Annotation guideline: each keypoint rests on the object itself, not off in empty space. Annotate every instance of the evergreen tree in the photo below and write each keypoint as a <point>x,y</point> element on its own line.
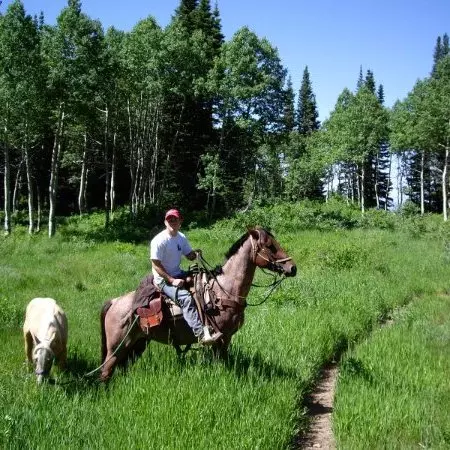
<point>441,50</point>
<point>370,81</point>
<point>217,28</point>
<point>360,82</point>
<point>185,14</point>
<point>289,113</point>
<point>307,115</point>
<point>380,94</point>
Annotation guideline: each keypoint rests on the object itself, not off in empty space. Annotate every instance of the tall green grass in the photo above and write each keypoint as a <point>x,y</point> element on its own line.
<point>348,280</point>
<point>393,389</point>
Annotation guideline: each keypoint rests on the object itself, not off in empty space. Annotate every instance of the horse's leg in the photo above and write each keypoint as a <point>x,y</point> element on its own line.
<point>129,352</point>
<point>62,360</point>
<point>138,348</point>
<point>109,366</point>
<point>28,346</point>
<point>220,348</point>
<point>114,357</point>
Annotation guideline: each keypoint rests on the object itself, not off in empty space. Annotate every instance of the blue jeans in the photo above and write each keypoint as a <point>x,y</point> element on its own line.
<point>184,300</point>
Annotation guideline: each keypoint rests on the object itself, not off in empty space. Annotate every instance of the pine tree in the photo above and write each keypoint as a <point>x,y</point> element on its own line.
<point>441,50</point>
<point>302,181</point>
<point>370,81</point>
<point>380,94</point>
<point>200,31</point>
<point>186,13</point>
<point>360,82</point>
<point>289,112</point>
<point>307,115</point>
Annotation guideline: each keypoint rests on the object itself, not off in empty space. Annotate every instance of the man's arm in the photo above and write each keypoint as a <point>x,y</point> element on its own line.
<point>157,265</point>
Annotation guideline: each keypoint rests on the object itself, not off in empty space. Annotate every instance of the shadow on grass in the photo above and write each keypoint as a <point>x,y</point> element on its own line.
<point>243,365</point>
<point>75,378</point>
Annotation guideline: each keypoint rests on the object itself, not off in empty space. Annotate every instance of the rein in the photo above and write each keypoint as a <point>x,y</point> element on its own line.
<point>273,265</point>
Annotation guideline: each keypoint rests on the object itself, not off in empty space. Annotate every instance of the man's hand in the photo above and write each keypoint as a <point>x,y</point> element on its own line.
<point>177,282</point>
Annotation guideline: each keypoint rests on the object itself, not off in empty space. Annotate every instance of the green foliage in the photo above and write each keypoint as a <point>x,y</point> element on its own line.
<point>342,257</point>
<point>11,314</point>
<point>409,209</point>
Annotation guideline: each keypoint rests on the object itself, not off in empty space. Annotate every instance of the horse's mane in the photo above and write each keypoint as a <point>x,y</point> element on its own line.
<point>240,242</point>
<point>237,245</point>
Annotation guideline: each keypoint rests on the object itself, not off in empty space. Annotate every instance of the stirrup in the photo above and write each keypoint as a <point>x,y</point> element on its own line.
<point>207,339</point>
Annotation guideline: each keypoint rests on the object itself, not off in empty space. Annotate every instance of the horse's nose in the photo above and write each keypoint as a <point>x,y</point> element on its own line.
<point>293,271</point>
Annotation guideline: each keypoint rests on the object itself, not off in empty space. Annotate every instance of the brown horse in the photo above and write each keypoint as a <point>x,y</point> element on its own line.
<point>121,334</point>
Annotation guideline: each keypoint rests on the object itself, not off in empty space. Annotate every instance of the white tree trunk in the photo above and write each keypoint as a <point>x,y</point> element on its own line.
<point>112,194</point>
<point>377,168</point>
<point>39,209</point>
<point>53,187</point>
<point>30,189</point>
<point>422,195</point>
<point>362,187</point>
<point>444,184</point>
<point>17,184</point>
<point>7,190</point>
<point>388,182</point>
<point>83,178</point>
<point>106,168</point>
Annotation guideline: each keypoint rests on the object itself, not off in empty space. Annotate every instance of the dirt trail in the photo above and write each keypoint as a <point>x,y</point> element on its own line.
<point>320,408</point>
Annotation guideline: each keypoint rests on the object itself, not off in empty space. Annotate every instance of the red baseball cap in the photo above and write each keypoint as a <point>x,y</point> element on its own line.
<point>173,213</point>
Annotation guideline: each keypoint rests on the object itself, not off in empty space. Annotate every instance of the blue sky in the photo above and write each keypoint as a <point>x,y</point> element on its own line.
<point>393,38</point>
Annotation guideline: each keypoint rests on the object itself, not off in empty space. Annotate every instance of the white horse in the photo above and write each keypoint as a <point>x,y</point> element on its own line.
<point>45,333</point>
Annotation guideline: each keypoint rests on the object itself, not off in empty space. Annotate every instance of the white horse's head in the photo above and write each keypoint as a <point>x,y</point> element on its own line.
<point>43,359</point>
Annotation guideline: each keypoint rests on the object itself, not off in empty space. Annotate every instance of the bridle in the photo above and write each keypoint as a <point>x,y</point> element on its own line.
<point>39,347</point>
<point>272,264</point>
<point>263,252</point>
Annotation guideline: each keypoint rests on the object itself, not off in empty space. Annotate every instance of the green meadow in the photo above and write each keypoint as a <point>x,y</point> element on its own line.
<point>355,273</point>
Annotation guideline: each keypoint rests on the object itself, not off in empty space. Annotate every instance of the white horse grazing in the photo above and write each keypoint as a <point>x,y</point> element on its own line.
<point>45,334</point>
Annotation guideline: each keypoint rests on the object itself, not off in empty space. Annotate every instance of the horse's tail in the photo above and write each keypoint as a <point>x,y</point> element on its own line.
<point>105,309</point>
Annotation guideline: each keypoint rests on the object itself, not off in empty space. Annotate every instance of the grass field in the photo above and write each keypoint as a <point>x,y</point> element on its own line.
<point>394,389</point>
<point>349,281</point>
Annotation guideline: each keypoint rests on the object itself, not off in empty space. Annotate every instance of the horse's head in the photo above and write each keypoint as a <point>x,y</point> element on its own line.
<point>267,253</point>
<point>43,359</point>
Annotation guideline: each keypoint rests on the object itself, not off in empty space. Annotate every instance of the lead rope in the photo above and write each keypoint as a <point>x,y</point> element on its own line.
<point>99,367</point>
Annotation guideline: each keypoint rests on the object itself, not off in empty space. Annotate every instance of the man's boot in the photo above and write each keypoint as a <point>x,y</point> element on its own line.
<point>207,339</point>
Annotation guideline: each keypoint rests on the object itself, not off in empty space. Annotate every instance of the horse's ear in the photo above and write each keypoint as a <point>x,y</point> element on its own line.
<point>254,233</point>
<point>36,340</point>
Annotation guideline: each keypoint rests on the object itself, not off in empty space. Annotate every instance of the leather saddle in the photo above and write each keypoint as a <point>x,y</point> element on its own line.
<point>152,306</point>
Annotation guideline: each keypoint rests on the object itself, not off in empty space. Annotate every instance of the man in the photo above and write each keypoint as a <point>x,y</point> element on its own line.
<point>166,250</point>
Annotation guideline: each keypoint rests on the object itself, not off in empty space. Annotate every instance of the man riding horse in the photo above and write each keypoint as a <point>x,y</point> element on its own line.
<point>166,250</point>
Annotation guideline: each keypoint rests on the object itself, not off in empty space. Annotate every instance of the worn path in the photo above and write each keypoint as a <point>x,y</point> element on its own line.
<point>320,408</point>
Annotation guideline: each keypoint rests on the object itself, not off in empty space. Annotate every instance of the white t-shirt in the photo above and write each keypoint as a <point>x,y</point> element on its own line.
<point>169,250</point>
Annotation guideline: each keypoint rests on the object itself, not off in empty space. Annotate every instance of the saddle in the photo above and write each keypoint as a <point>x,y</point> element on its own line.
<point>151,315</point>
<point>152,306</point>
